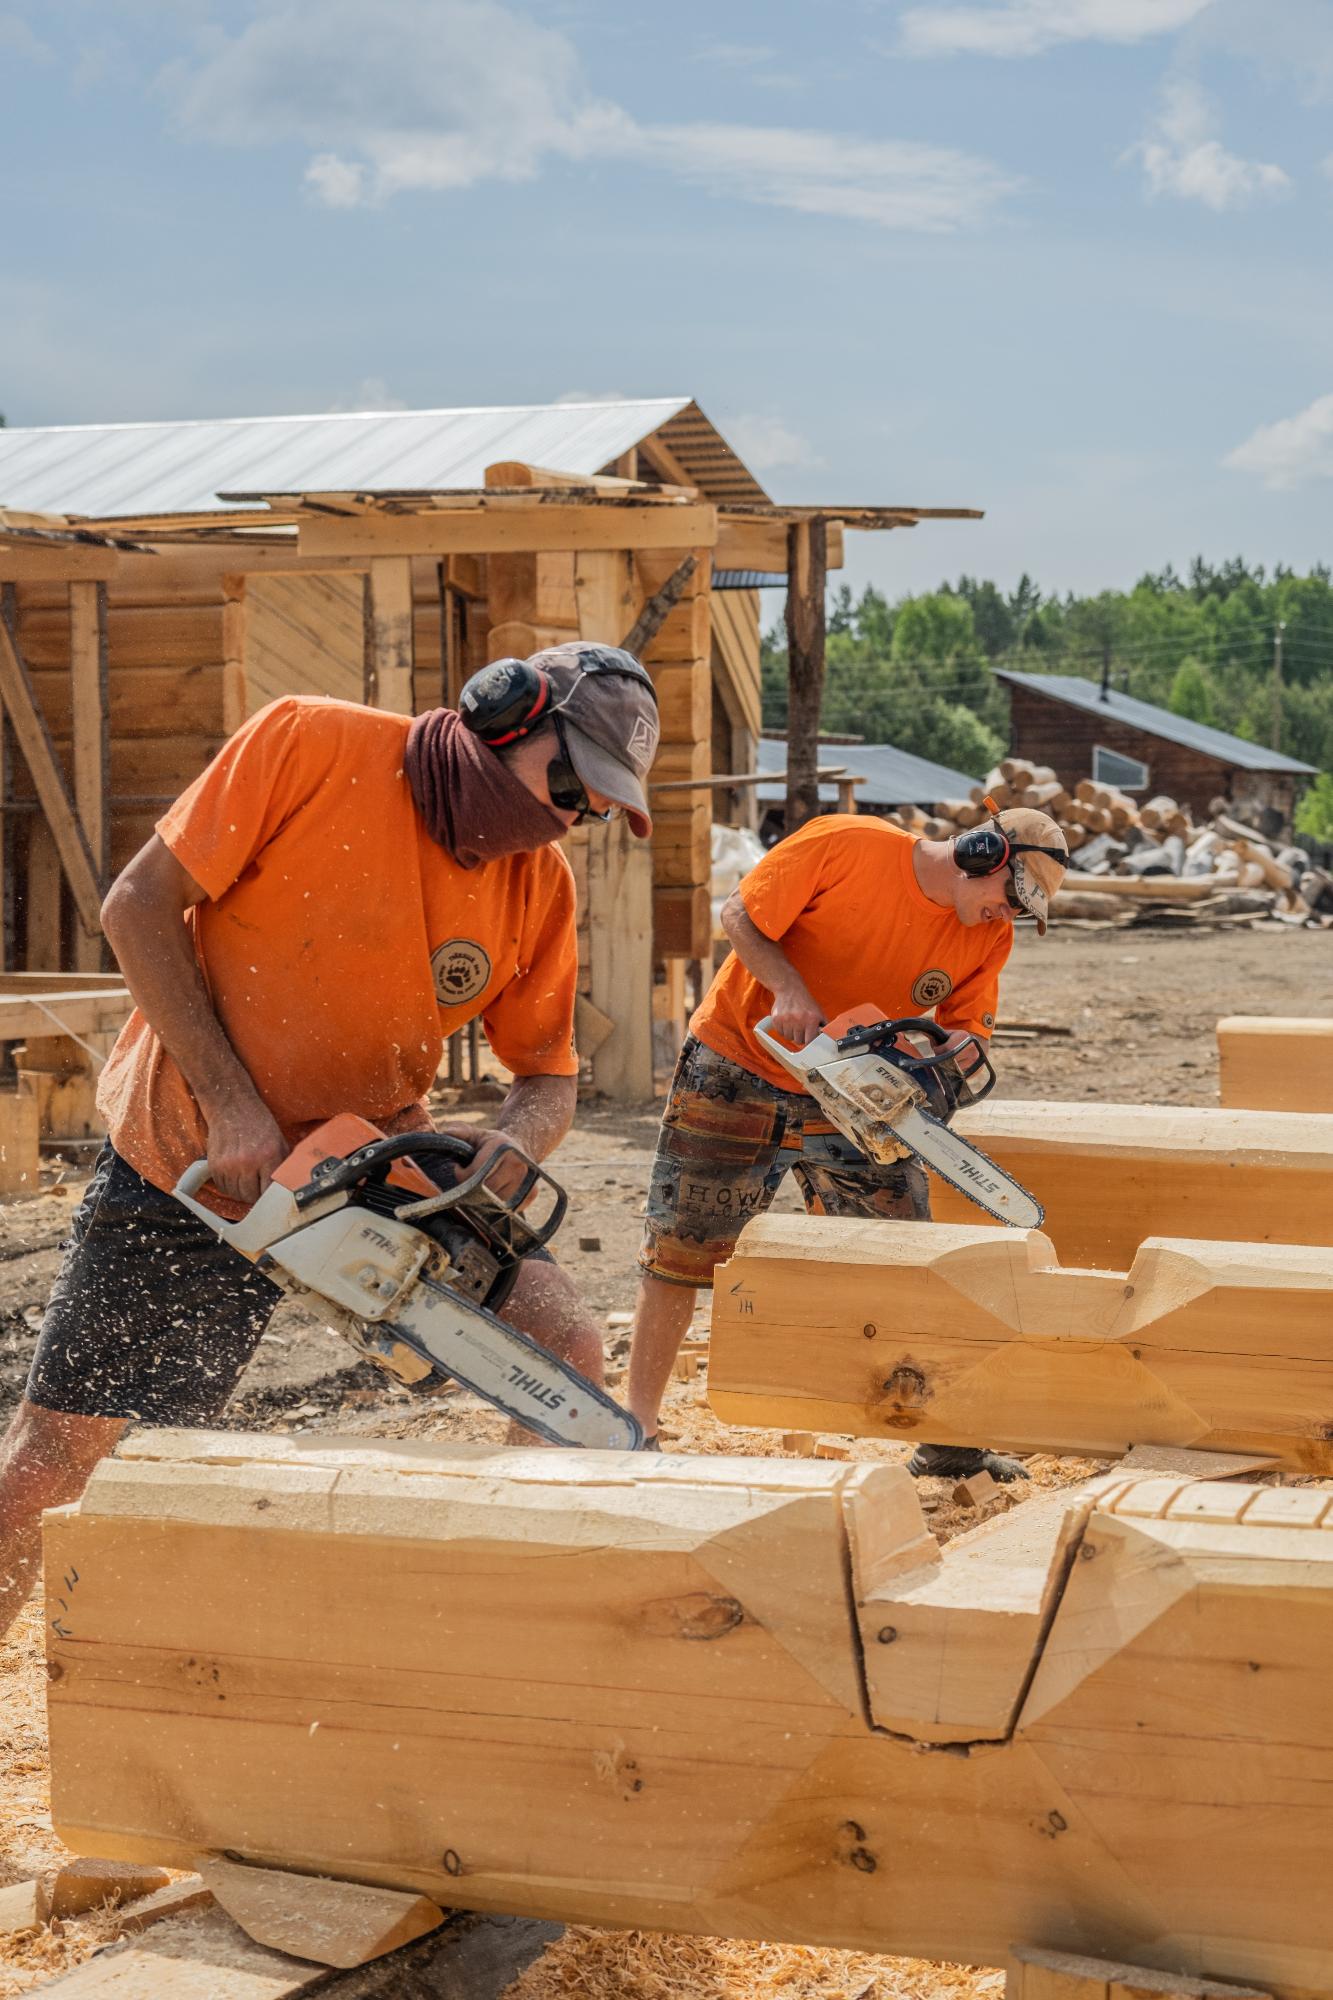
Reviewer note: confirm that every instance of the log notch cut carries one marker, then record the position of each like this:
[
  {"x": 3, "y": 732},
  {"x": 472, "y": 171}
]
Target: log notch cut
[
  {"x": 977, "y": 1336},
  {"x": 667, "y": 1693},
  {"x": 1111, "y": 1175},
  {"x": 1276, "y": 1065}
]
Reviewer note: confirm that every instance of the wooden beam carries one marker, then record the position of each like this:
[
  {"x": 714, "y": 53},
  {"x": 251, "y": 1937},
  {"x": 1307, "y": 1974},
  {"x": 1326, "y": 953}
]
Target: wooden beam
[
  {"x": 619, "y": 915},
  {"x": 1111, "y": 1175},
  {"x": 513, "y": 529},
  {"x": 63, "y": 562},
  {"x": 762, "y": 545},
  {"x": 59, "y": 1010},
  {"x": 34, "y": 741},
  {"x": 605, "y": 594},
  {"x": 969, "y": 1335},
  {"x": 714, "y": 1724},
  {"x": 90, "y": 732},
  {"x": 389, "y": 640},
  {"x": 1275, "y": 1064},
  {"x": 807, "y": 549}
]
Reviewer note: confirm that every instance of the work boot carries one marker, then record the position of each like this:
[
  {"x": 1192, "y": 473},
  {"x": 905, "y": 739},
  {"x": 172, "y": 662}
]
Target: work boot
[{"x": 960, "y": 1461}]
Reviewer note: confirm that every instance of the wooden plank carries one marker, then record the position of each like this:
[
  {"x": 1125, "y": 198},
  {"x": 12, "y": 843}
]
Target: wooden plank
[
  {"x": 61, "y": 563},
  {"x": 1111, "y": 1175},
  {"x": 310, "y": 1916},
  {"x": 33, "y": 739},
  {"x": 1032, "y": 1974},
  {"x": 511, "y": 530},
  {"x": 20, "y": 1139},
  {"x": 235, "y": 634},
  {"x": 90, "y": 723},
  {"x": 304, "y": 635},
  {"x": 74, "y": 1011},
  {"x": 605, "y": 594},
  {"x": 969, "y": 1335},
  {"x": 690, "y": 1737},
  {"x": 199, "y": 1956},
  {"x": 1275, "y": 1064},
  {"x": 389, "y": 634},
  {"x": 43, "y": 901},
  {"x": 620, "y": 957},
  {"x": 156, "y": 635},
  {"x": 735, "y": 621}
]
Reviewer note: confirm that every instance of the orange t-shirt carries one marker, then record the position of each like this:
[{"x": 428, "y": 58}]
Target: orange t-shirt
[
  {"x": 841, "y": 896},
  {"x": 339, "y": 943}
]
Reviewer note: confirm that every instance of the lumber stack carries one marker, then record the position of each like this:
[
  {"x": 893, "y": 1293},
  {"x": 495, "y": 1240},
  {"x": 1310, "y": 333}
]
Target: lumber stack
[
  {"x": 967, "y": 1335},
  {"x": 1278, "y": 1064},
  {"x": 694, "y": 1694},
  {"x": 1150, "y": 852},
  {"x": 1111, "y": 1175}
]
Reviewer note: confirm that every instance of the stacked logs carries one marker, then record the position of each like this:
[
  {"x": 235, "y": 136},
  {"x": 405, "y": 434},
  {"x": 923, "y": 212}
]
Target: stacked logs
[{"x": 1154, "y": 852}]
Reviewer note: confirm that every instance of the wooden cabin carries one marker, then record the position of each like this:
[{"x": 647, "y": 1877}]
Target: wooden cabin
[{"x": 162, "y": 581}]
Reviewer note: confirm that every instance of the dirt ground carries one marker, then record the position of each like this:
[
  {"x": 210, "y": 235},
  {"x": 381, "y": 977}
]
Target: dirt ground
[{"x": 1141, "y": 1007}]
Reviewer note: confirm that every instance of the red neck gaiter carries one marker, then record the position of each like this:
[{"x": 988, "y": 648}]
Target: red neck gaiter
[{"x": 472, "y": 804}]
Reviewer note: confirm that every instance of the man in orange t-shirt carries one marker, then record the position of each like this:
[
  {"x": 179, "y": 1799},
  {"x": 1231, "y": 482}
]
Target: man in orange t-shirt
[
  {"x": 845, "y": 911},
  {"x": 339, "y": 890}
]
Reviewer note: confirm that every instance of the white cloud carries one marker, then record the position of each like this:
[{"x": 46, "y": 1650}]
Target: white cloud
[
  {"x": 1186, "y": 159},
  {"x": 439, "y": 95},
  {"x": 894, "y": 183},
  {"x": 17, "y": 38},
  {"x": 372, "y": 394},
  {"x": 1029, "y": 27},
  {"x": 1292, "y": 451},
  {"x": 766, "y": 443}
]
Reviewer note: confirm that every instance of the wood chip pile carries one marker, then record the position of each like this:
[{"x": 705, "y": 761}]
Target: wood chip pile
[{"x": 1147, "y": 863}]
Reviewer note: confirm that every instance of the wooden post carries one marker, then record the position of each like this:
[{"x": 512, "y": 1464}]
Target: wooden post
[
  {"x": 235, "y": 701},
  {"x": 389, "y": 648},
  {"x": 807, "y": 572},
  {"x": 620, "y": 954},
  {"x": 90, "y": 729},
  {"x": 42, "y": 900},
  {"x": 34, "y": 740}
]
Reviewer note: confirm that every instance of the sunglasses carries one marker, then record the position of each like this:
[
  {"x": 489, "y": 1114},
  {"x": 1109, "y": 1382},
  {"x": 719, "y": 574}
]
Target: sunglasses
[{"x": 566, "y": 788}]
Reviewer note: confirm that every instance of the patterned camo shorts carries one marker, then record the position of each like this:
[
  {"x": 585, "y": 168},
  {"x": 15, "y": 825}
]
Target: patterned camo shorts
[{"x": 727, "y": 1139}]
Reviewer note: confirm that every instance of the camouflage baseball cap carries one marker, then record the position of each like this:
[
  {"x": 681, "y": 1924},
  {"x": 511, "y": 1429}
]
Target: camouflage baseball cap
[
  {"x": 1036, "y": 877},
  {"x": 609, "y": 711}
]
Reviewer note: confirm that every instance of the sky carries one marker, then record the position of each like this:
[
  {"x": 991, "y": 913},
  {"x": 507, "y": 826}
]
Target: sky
[{"x": 1065, "y": 260}]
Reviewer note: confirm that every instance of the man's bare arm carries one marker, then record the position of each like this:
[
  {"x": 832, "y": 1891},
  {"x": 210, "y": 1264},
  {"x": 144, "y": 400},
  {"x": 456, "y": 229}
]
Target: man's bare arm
[
  {"x": 144, "y": 920},
  {"x": 535, "y": 1116},
  {"x": 797, "y": 1015}
]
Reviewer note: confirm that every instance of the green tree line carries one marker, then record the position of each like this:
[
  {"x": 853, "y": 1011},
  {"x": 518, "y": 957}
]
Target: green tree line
[{"x": 920, "y": 672}]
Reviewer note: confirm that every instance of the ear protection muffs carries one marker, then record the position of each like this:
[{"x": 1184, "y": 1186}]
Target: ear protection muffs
[
  {"x": 506, "y": 701},
  {"x": 986, "y": 850}
]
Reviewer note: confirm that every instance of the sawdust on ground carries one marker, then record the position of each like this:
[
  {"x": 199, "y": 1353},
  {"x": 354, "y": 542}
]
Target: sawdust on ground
[{"x": 1142, "y": 1007}]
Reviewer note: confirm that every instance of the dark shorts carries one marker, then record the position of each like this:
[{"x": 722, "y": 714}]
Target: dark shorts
[
  {"x": 151, "y": 1316},
  {"x": 727, "y": 1139}
]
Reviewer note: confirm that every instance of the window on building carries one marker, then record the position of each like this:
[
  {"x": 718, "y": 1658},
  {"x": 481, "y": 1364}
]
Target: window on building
[{"x": 1126, "y": 774}]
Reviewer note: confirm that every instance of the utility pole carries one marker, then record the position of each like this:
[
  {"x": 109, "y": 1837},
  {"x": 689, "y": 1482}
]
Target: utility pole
[{"x": 1277, "y": 683}]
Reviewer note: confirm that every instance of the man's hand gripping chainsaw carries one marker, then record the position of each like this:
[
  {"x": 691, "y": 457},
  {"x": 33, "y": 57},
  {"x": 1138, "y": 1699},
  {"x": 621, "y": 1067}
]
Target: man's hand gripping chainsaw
[
  {"x": 415, "y": 1270},
  {"x": 893, "y": 1099}
]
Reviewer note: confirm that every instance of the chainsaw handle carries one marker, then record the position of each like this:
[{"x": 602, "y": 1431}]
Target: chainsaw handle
[
  {"x": 185, "y": 1190},
  {"x": 378, "y": 1156}
]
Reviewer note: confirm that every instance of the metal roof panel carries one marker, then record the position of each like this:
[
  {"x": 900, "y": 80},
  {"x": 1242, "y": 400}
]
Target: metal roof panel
[
  {"x": 893, "y": 777},
  {"x": 1154, "y": 721},
  {"x": 104, "y": 470}
]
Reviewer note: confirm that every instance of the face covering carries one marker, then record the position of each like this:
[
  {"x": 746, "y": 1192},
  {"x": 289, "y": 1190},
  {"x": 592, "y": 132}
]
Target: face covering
[{"x": 472, "y": 804}]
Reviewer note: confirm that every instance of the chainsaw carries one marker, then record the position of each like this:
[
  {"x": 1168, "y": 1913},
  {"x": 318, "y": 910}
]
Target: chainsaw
[
  {"x": 890, "y": 1096},
  {"x": 415, "y": 1270}
]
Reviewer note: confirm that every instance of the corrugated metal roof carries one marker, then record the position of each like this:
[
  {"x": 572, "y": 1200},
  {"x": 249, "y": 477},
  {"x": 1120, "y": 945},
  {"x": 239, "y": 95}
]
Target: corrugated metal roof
[
  {"x": 893, "y": 777},
  {"x": 1154, "y": 721},
  {"x": 104, "y": 470}
]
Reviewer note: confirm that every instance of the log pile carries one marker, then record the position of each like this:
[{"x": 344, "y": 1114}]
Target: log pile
[{"x": 1146, "y": 863}]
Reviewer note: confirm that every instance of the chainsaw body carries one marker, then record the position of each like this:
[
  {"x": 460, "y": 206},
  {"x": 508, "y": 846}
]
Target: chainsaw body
[
  {"x": 893, "y": 1099},
  {"x": 414, "y": 1271}
]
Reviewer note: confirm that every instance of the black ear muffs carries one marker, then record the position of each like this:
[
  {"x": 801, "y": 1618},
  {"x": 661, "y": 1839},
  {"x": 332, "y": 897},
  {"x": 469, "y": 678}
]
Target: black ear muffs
[
  {"x": 985, "y": 850},
  {"x": 505, "y": 702}
]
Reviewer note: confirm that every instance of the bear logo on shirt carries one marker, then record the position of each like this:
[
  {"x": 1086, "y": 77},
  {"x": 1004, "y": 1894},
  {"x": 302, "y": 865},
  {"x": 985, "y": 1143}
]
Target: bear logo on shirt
[
  {"x": 461, "y": 970},
  {"x": 931, "y": 988}
]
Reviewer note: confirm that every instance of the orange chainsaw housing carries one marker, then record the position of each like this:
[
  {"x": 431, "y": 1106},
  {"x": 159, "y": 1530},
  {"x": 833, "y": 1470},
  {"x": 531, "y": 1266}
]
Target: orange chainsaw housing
[{"x": 335, "y": 1139}]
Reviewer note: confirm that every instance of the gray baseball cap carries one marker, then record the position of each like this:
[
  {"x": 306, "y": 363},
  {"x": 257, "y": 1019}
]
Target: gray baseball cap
[{"x": 608, "y": 709}]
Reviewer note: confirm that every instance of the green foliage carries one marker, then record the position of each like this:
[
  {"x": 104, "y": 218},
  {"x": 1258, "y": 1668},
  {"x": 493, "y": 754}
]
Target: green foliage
[
  {"x": 919, "y": 673},
  {"x": 1314, "y": 814}
]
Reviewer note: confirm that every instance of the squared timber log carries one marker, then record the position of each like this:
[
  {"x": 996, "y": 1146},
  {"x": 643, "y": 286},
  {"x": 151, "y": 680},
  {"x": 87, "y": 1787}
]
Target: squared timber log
[
  {"x": 1275, "y": 1065},
  {"x": 1111, "y": 1175},
  {"x": 631, "y": 1691},
  {"x": 977, "y": 1336}
]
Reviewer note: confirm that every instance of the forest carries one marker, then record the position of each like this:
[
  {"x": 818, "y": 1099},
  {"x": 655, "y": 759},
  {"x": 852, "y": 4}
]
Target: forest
[{"x": 920, "y": 672}]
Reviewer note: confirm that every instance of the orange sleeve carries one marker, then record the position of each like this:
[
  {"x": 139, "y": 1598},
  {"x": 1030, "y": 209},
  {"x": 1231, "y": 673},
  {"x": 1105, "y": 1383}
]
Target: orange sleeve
[
  {"x": 785, "y": 882},
  {"x": 530, "y": 1022},
  {"x": 973, "y": 1002},
  {"x": 236, "y": 805}
]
